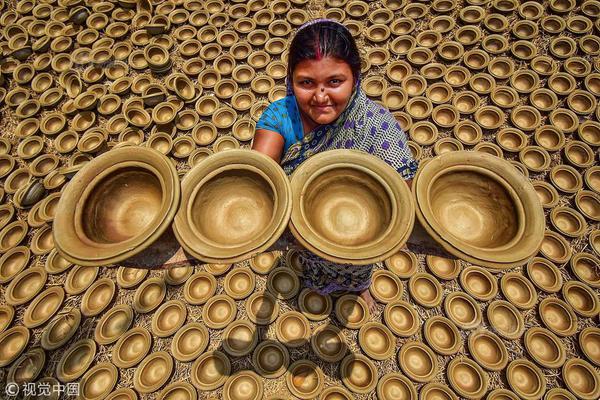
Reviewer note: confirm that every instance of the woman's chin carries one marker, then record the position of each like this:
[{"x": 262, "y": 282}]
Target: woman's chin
[{"x": 325, "y": 118}]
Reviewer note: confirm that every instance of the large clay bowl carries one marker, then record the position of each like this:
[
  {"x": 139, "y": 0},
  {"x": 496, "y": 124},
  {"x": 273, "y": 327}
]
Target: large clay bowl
[
  {"x": 463, "y": 310},
  {"x": 178, "y": 391},
  {"x": 350, "y": 207},
  {"x": 584, "y": 266},
  {"x": 25, "y": 286},
  {"x": 43, "y": 307},
  {"x": 396, "y": 386},
  {"x": 221, "y": 189},
  {"x": 76, "y": 360},
  {"x": 403, "y": 264},
  {"x": 99, "y": 381},
  {"x": 358, "y": 373},
  {"x": 442, "y": 335},
  {"x": 418, "y": 361},
  {"x": 27, "y": 367},
  {"x": 149, "y": 295},
  {"x": 581, "y": 378},
  {"x": 12, "y": 343},
  {"x": 581, "y": 298},
  {"x": 545, "y": 347},
  {"x": 385, "y": 286},
  {"x": 153, "y": 372},
  {"x": 97, "y": 297},
  {"x": 506, "y": 319},
  {"x": 304, "y": 379},
  {"x": 131, "y": 347},
  {"x": 169, "y": 317},
  {"x": 525, "y": 379},
  {"x": 488, "y": 350},
  {"x": 589, "y": 341},
  {"x": 352, "y": 311},
  {"x": 292, "y": 329},
  {"x": 479, "y": 283},
  {"x": 502, "y": 233},
  {"x": 60, "y": 329},
  {"x": 240, "y": 338},
  {"x": 262, "y": 308},
  {"x": 239, "y": 283},
  {"x": 114, "y": 323},
  {"x": 270, "y": 359},
  {"x": 402, "y": 318},
  {"x": 243, "y": 385},
  {"x": 425, "y": 290},
  {"x": 314, "y": 305},
  {"x": 199, "y": 288},
  {"x": 518, "y": 290},
  {"x": 219, "y": 311},
  {"x": 558, "y": 316},
  {"x": 443, "y": 268},
  {"x": 328, "y": 343},
  {"x": 123, "y": 201},
  {"x": 189, "y": 342},
  {"x": 544, "y": 275},
  {"x": 467, "y": 378}
]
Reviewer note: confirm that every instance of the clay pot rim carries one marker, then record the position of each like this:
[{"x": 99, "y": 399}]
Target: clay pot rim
[
  {"x": 505, "y": 145},
  {"x": 501, "y": 364},
  {"x": 297, "y": 341},
  {"x": 584, "y": 139},
  {"x": 289, "y": 378},
  {"x": 430, "y": 354},
  {"x": 567, "y": 308},
  {"x": 538, "y": 150},
  {"x": 328, "y": 357},
  {"x": 504, "y": 282},
  {"x": 253, "y": 317},
  {"x": 36, "y": 247},
  {"x": 196, "y": 132},
  {"x": 516, "y": 333},
  {"x": 431, "y": 340},
  {"x": 591, "y": 294},
  {"x": 573, "y": 213},
  {"x": 217, "y": 117},
  {"x": 277, "y": 272},
  {"x": 475, "y": 306}
]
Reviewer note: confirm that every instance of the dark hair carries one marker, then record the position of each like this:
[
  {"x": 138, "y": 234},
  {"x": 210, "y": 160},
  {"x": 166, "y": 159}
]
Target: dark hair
[{"x": 324, "y": 39}]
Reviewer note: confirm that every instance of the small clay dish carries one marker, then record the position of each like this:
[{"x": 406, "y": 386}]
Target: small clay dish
[
  {"x": 564, "y": 119},
  {"x": 25, "y": 286},
  {"x": 99, "y": 381},
  {"x": 581, "y": 298},
  {"x": 128, "y": 278},
  {"x": 224, "y": 117},
  {"x": 13, "y": 262},
  {"x": 566, "y": 178},
  {"x": 153, "y": 372},
  {"x": 377, "y": 341},
  {"x": 270, "y": 359},
  {"x": 506, "y": 319},
  {"x": 14, "y": 341},
  {"x": 489, "y": 117},
  {"x": 443, "y": 268},
  {"x": 511, "y": 140},
  {"x": 243, "y": 129},
  {"x": 60, "y": 329},
  {"x": 262, "y": 308},
  {"x": 243, "y": 383},
  {"x": 418, "y": 361},
  {"x": 305, "y": 379},
  {"x": 315, "y": 306},
  {"x": 189, "y": 342},
  {"x": 589, "y": 133},
  {"x": 27, "y": 367},
  {"x": 264, "y": 263},
  {"x": 352, "y": 311},
  {"x": 526, "y": 379},
  {"x": 555, "y": 248},
  {"x": 240, "y": 338},
  {"x": 423, "y": 133},
  {"x": 292, "y": 329},
  {"x": 488, "y": 350},
  {"x": 467, "y": 132},
  {"x": 76, "y": 360},
  {"x": 219, "y": 311},
  {"x": 401, "y": 318},
  {"x": 467, "y": 378},
  {"x": 7, "y": 314},
  {"x": 463, "y": 310},
  {"x": 589, "y": 339},
  {"x": 584, "y": 266},
  {"x": 217, "y": 269},
  {"x": 558, "y": 316},
  {"x": 568, "y": 221},
  {"x": 579, "y": 154},
  {"x": 544, "y": 275},
  {"x": 97, "y": 297},
  {"x": 385, "y": 286},
  {"x": 169, "y": 317},
  {"x": 545, "y": 347},
  {"x": 283, "y": 283},
  {"x": 549, "y": 137},
  {"x": 210, "y": 370},
  {"x": 581, "y": 379},
  {"x": 178, "y": 390},
  {"x": 526, "y": 118},
  {"x": 328, "y": 343},
  {"x": 403, "y": 264},
  {"x": 131, "y": 347},
  {"x": 178, "y": 275},
  {"x": 239, "y": 283},
  {"x": 114, "y": 323},
  {"x": 442, "y": 335},
  {"x": 394, "y": 385},
  {"x": 43, "y": 307},
  {"x": 149, "y": 295},
  {"x": 591, "y": 178},
  {"x": 559, "y": 394},
  {"x": 535, "y": 158},
  {"x": 243, "y": 100},
  {"x": 518, "y": 290},
  {"x": 504, "y": 96},
  {"x": 425, "y": 290}
]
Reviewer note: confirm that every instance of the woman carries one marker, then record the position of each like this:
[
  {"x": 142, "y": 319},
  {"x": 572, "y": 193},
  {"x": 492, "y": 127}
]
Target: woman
[{"x": 326, "y": 109}]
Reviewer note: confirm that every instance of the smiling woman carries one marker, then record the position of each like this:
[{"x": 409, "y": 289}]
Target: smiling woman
[{"x": 326, "y": 109}]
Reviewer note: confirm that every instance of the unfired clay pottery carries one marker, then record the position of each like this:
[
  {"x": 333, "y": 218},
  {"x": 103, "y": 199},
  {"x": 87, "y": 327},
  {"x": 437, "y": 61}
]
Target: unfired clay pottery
[
  {"x": 283, "y": 283},
  {"x": 527, "y": 380},
  {"x": 97, "y": 297},
  {"x": 442, "y": 335},
  {"x": 98, "y": 382},
  {"x": 589, "y": 339},
  {"x": 169, "y": 317},
  {"x": 402, "y": 318},
  {"x": 393, "y": 385},
  {"x": 545, "y": 347},
  {"x": 13, "y": 341},
  {"x": 328, "y": 343},
  {"x": 467, "y": 378},
  {"x": 219, "y": 311},
  {"x": 262, "y": 308},
  {"x": 518, "y": 290},
  {"x": 239, "y": 283},
  {"x": 377, "y": 341},
  {"x": 43, "y": 307},
  {"x": 479, "y": 283},
  {"x": 418, "y": 361},
  {"x": 359, "y": 374},
  {"x": 153, "y": 372},
  {"x": 488, "y": 350},
  {"x": 425, "y": 290},
  {"x": 385, "y": 286},
  {"x": 581, "y": 298},
  {"x": 292, "y": 329},
  {"x": 314, "y": 305},
  {"x": 25, "y": 286},
  {"x": 463, "y": 310},
  {"x": 131, "y": 347},
  {"x": 189, "y": 342},
  {"x": 558, "y": 316},
  {"x": 403, "y": 264},
  {"x": 506, "y": 319},
  {"x": 544, "y": 275},
  {"x": 178, "y": 390},
  {"x": 113, "y": 324},
  {"x": 443, "y": 268},
  {"x": 352, "y": 311},
  {"x": 584, "y": 266},
  {"x": 243, "y": 385},
  {"x": 240, "y": 338},
  {"x": 76, "y": 360},
  {"x": 149, "y": 295},
  {"x": 581, "y": 378},
  {"x": 270, "y": 359},
  {"x": 304, "y": 379},
  {"x": 199, "y": 288}
]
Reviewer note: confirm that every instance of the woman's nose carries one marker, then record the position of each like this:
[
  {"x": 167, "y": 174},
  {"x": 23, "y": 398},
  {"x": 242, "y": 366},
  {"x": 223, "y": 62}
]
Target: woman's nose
[{"x": 321, "y": 96}]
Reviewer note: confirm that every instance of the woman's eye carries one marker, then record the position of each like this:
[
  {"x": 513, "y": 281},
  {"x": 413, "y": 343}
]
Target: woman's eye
[
  {"x": 305, "y": 82},
  {"x": 335, "y": 81}
]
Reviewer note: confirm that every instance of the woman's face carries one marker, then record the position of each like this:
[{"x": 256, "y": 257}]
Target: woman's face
[{"x": 322, "y": 88}]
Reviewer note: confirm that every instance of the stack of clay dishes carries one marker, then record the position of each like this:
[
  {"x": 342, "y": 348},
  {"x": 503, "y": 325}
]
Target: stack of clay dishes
[
  {"x": 379, "y": 203},
  {"x": 516, "y": 240},
  {"x": 112, "y": 185},
  {"x": 202, "y": 226}
]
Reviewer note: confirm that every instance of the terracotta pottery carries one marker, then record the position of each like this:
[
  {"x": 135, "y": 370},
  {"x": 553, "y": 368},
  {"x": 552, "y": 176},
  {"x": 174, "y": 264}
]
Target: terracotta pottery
[
  {"x": 351, "y": 311},
  {"x": 442, "y": 335},
  {"x": 217, "y": 269},
  {"x": 581, "y": 298},
  {"x": 377, "y": 341},
  {"x": 545, "y": 347},
  {"x": 589, "y": 338},
  {"x": 328, "y": 343},
  {"x": 506, "y": 319},
  {"x": 467, "y": 132},
  {"x": 262, "y": 308},
  {"x": 559, "y": 394},
  {"x": 463, "y": 310},
  {"x": 566, "y": 120},
  {"x": 558, "y": 316},
  {"x": 394, "y": 385},
  {"x": 115, "y": 172},
  {"x": 13, "y": 262},
  {"x": 583, "y": 265},
  {"x": 292, "y": 329},
  {"x": 589, "y": 133},
  {"x": 304, "y": 379},
  {"x": 402, "y": 318},
  {"x": 199, "y": 288},
  {"x": 535, "y": 158},
  {"x": 270, "y": 359},
  {"x": 149, "y": 295},
  {"x": 128, "y": 278},
  {"x": 315, "y": 306},
  {"x": 566, "y": 178},
  {"x": 43, "y": 307},
  {"x": 189, "y": 342},
  {"x": 7, "y": 314},
  {"x": 169, "y": 317},
  {"x": 518, "y": 290},
  {"x": 418, "y": 361},
  {"x": 239, "y": 283},
  {"x": 423, "y": 133},
  {"x": 153, "y": 372},
  {"x": 177, "y": 276},
  {"x": 219, "y": 311},
  {"x": 527, "y": 380},
  {"x": 76, "y": 360},
  {"x": 263, "y": 263},
  {"x": 385, "y": 286},
  {"x": 488, "y": 350},
  {"x": 240, "y": 338},
  {"x": 568, "y": 221},
  {"x": 425, "y": 290},
  {"x": 283, "y": 283},
  {"x": 467, "y": 378},
  {"x": 13, "y": 341},
  {"x": 512, "y": 246},
  {"x": 25, "y": 286},
  {"x": 114, "y": 323},
  {"x": 60, "y": 329},
  {"x": 243, "y": 384},
  {"x": 581, "y": 378},
  {"x": 403, "y": 264}
]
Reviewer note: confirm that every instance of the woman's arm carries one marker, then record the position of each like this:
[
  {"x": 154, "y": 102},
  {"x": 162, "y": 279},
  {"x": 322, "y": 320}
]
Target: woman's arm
[{"x": 270, "y": 143}]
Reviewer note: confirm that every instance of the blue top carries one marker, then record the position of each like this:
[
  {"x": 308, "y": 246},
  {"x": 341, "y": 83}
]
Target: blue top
[{"x": 283, "y": 117}]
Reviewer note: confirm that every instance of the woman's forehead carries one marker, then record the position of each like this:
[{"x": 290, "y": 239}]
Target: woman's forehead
[{"x": 324, "y": 68}]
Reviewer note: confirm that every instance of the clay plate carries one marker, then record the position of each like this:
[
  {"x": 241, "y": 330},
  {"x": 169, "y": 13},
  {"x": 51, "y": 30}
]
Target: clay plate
[
  {"x": 442, "y": 335},
  {"x": 418, "y": 361},
  {"x": 270, "y": 359},
  {"x": 189, "y": 342},
  {"x": 128, "y": 278},
  {"x": 402, "y": 318},
  {"x": 545, "y": 347},
  {"x": 525, "y": 379},
  {"x": 292, "y": 329},
  {"x": 219, "y": 311},
  {"x": 315, "y": 306},
  {"x": 153, "y": 372},
  {"x": 131, "y": 347},
  {"x": 43, "y": 307},
  {"x": 488, "y": 350},
  {"x": 113, "y": 324},
  {"x": 76, "y": 360},
  {"x": 359, "y": 374},
  {"x": 467, "y": 378},
  {"x": 25, "y": 286},
  {"x": 352, "y": 311},
  {"x": 394, "y": 385},
  {"x": 169, "y": 317},
  {"x": 377, "y": 341},
  {"x": 61, "y": 329},
  {"x": 240, "y": 338},
  {"x": 385, "y": 286},
  {"x": 463, "y": 310},
  {"x": 243, "y": 385},
  {"x": 304, "y": 379},
  {"x": 80, "y": 278},
  {"x": 262, "y": 308},
  {"x": 505, "y": 319}
]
